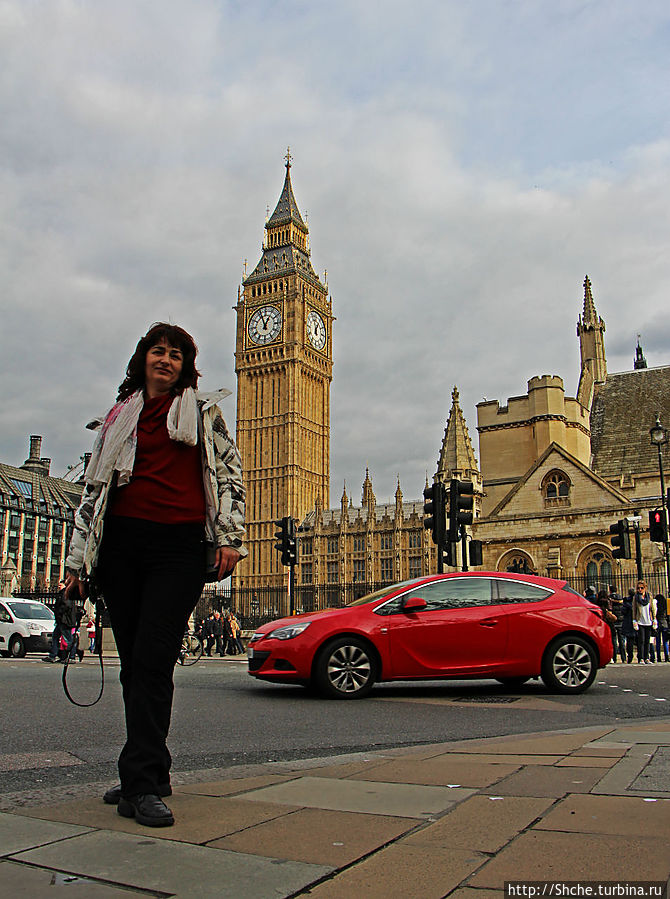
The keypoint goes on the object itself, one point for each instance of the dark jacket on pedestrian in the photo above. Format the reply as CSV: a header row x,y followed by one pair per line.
x,y
65,612
617,609
627,628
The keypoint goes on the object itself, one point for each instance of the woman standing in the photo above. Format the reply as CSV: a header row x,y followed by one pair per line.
x,y
164,483
644,616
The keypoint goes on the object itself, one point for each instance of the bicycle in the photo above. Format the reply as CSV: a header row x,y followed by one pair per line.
x,y
191,649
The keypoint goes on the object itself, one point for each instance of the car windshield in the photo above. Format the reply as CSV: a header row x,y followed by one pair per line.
x,y
27,610
380,594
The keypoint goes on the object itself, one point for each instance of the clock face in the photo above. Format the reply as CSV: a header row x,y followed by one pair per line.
x,y
316,330
264,325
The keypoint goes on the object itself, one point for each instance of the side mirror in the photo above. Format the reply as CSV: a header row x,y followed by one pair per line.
x,y
414,604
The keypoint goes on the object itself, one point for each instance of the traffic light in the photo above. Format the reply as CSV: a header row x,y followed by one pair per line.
x,y
658,526
475,552
621,539
282,538
461,501
287,540
292,544
434,512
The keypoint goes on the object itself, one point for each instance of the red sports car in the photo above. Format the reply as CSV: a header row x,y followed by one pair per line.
x,y
510,627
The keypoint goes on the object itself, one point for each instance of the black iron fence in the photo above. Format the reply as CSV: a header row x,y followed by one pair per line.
x,y
255,606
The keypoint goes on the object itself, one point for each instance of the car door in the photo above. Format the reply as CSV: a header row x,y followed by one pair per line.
x,y
456,633
5,627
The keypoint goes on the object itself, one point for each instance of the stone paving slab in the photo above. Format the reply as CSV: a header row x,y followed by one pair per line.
x,y
485,756
233,786
628,735
198,819
18,833
441,771
544,780
401,800
537,744
480,823
546,855
26,882
401,872
178,869
585,761
610,815
319,836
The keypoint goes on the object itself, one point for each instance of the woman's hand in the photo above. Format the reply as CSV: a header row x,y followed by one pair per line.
x,y
226,559
73,586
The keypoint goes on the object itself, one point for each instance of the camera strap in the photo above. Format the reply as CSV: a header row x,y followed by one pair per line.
x,y
99,608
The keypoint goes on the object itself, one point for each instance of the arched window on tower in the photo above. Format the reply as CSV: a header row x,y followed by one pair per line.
x,y
556,489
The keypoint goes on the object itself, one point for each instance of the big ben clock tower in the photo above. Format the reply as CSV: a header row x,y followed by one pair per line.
x,y
284,369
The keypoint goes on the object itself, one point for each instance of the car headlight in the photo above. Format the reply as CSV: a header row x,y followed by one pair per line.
x,y
288,631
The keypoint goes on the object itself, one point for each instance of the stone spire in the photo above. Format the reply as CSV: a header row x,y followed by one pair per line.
x,y
591,330
457,458
369,499
286,243
344,502
286,211
398,500
639,361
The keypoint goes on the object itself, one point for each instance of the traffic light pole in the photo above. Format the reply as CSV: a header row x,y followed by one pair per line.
x,y
464,549
638,546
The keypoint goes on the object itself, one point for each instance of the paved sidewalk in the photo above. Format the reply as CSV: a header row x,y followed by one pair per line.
x,y
452,819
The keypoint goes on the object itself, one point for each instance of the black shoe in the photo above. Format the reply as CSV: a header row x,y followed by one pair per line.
x,y
112,796
80,653
147,809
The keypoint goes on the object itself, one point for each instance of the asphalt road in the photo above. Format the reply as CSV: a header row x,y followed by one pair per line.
x,y
223,718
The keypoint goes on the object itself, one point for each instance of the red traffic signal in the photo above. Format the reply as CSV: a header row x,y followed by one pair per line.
x,y
658,526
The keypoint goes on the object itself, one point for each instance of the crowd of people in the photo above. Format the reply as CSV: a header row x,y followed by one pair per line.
x,y
221,633
638,621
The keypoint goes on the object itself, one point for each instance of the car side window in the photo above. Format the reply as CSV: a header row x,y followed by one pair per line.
x,y
509,591
457,593
4,614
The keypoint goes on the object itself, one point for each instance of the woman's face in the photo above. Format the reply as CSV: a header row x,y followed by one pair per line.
x,y
162,368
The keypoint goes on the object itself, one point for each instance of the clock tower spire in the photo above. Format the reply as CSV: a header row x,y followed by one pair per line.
x,y
284,369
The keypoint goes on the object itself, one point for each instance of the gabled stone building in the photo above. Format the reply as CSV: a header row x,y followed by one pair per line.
x,y
558,471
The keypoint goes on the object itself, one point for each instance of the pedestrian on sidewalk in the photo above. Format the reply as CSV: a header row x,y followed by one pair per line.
x,y
62,638
644,615
618,641
163,480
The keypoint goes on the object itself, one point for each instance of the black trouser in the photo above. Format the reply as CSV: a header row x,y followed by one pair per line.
x,y
151,576
618,643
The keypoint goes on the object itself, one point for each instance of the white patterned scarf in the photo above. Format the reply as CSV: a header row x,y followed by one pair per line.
x,y
115,447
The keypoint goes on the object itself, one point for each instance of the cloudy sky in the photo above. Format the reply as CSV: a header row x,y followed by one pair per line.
x,y
463,165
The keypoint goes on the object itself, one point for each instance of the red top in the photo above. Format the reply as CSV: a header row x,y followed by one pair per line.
x,y
166,484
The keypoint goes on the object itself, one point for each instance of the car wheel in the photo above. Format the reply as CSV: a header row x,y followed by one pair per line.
x,y
512,682
345,669
17,648
569,665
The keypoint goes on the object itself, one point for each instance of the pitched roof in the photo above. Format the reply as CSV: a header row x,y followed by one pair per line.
x,y
624,409
556,450
286,210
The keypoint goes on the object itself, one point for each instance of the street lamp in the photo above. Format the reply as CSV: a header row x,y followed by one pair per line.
x,y
659,438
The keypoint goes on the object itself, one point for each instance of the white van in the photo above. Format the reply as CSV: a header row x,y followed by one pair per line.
x,y
26,625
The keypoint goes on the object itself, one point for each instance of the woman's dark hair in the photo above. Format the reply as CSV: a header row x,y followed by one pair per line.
x,y
157,333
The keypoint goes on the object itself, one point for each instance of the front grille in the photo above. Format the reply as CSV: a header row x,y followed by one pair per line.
x,y
258,659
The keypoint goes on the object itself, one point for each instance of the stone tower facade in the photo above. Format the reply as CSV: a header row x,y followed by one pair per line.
x,y
284,367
